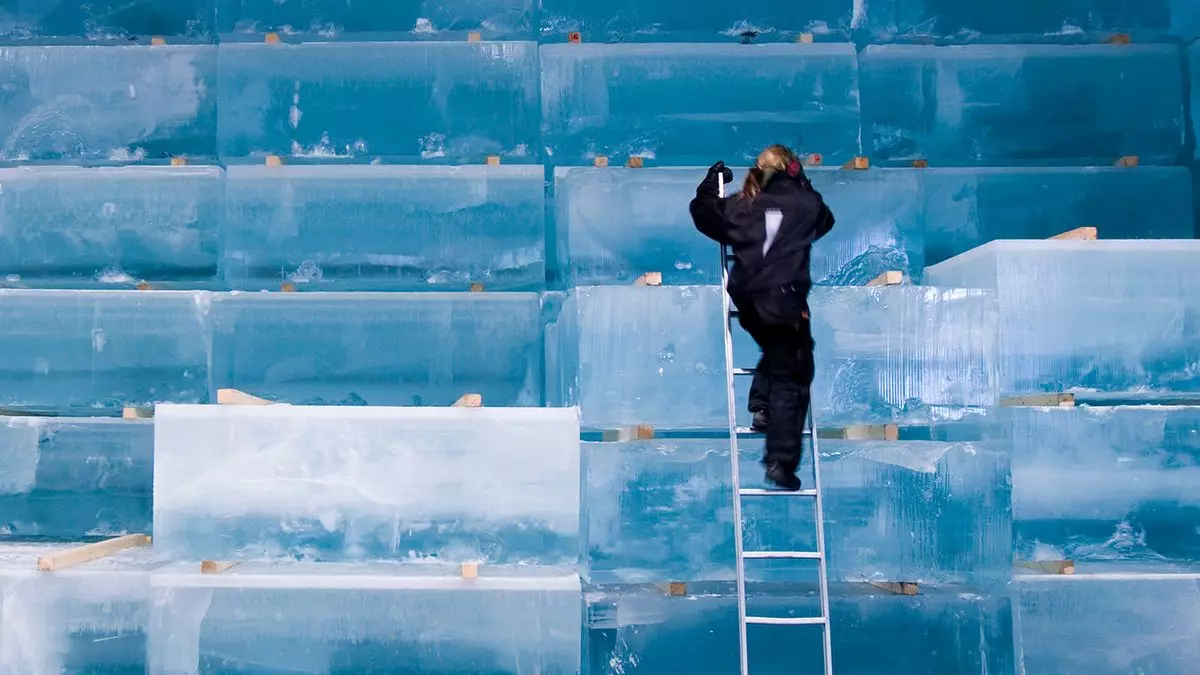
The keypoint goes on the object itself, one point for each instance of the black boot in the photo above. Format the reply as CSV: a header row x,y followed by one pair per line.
x,y
760,421
783,476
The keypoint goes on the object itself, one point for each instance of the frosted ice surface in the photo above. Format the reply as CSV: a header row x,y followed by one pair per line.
x,y
109,227
73,477
495,19
968,207
108,103
380,348
328,483
911,510
1019,21
692,104
98,351
372,228
701,21
321,618
1007,104
1109,624
1185,21
445,101
614,225
1194,63
1106,484
105,20
1108,315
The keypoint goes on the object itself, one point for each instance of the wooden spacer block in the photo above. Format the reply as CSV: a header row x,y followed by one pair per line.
x,y
469,401
271,38
675,589
274,160
920,164
287,287
88,552
574,37
640,432
857,164
889,278
235,397
216,566
649,279
1118,39
862,432
493,160
635,163
897,587
1127,162
1079,234
476,287
813,159
1066,567
143,286
474,36
805,38
469,570
132,413
600,161
178,161
157,41
1054,400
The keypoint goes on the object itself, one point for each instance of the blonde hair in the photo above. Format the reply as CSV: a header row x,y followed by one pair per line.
x,y
774,159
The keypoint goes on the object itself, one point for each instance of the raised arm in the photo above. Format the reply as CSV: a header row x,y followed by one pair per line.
x,y
708,208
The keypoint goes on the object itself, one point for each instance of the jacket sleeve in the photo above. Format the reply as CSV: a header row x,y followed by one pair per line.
x,y
708,213
825,220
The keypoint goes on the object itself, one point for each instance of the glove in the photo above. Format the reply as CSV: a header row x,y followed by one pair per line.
x,y
709,184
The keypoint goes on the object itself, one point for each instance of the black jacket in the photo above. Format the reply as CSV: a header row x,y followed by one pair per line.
x,y
778,283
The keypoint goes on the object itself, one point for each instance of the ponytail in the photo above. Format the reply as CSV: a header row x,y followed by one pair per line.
x,y
775,159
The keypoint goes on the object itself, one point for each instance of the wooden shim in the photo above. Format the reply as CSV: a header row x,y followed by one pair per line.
x,y
1118,39
474,36
600,161
897,587
574,37
640,432
144,286
1058,399
1066,567
469,570
635,163
920,164
287,287
469,401
889,278
273,160
134,413
493,160
862,432
813,159
157,41
216,566
649,279
476,287
1128,162
236,397
675,589
179,161
857,164
271,38
805,38
88,552
1079,234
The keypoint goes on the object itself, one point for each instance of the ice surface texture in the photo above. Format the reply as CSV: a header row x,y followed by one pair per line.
x,y
70,478
105,20
108,103
445,101
692,103
374,228
324,483
702,21
416,19
1106,484
109,227
1001,105
1109,624
312,618
380,348
98,351
1107,315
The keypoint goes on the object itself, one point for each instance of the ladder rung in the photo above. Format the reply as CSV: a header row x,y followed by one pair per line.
x,y
747,431
771,555
787,620
754,492
743,371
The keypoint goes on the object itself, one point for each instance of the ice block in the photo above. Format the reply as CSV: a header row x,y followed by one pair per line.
x,y
1105,485
438,101
616,224
1022,104
347,483
916,511
1185,19
95,352
692,104
380,348
329,618
108,103
70,227
1107,315
1194,64
376,228
106,20
968,207
944,630
706,21
1108,624
75,477
411,19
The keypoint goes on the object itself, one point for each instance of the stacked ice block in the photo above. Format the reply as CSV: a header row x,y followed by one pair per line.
x,y
107,21
703,21
376,19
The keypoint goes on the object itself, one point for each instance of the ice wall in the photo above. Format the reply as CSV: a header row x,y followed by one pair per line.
x,y
404,19
1023,20
106,20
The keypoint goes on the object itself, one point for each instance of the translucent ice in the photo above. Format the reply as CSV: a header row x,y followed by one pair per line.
x,y
446,101
1106,484
997,105
385,227
329,618
495,19
379,348
704,21
74,477
1108,315
329,483
1109,624
692,104
105,20
105,227
108,103
97,351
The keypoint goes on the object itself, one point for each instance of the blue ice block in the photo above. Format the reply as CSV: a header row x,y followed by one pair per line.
x,y
895,511
706,21
616,224
414,19
75,477
1022,104
1194,70
109,227
336,618
444,101
380,348
329,483
95,352
1105,485
108,103
968,207
374,228
106,20
1185,20
1107,315
944,630
693,104
1108,624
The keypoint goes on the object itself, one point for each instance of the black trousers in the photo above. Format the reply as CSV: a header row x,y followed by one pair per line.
x,y
782,385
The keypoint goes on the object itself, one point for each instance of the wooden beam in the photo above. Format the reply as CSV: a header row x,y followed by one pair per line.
x,y
920,164
274,160
1078,234
1048,566
235,397
1055,400
216,566
469,401
469,570
640,432
805,38
1128,162
600,161
493,160
675,589
132,413
649,279
88,552
476,287
897,587
890,278
1118,39
857,164
635,163
862,432
474,36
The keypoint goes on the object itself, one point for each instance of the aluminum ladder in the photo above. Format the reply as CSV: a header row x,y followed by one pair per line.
x,y
738,493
